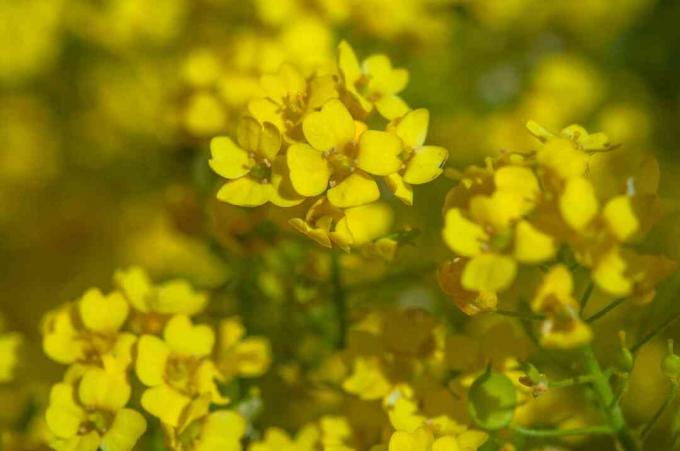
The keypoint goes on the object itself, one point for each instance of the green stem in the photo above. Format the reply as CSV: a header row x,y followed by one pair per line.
x,y
654,332
662,408
593,430
522,315
600,313
586,296
576,380
339,297
606,397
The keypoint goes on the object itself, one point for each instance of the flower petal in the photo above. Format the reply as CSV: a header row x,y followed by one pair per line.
x,y
103,313
357,189
463,236
425,165
309,170
165,403
152,357
412,128
245,192
379,152
127,427
187,339
227,159
489,273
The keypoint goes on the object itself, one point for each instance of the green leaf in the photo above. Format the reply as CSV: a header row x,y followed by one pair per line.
x,y
492,400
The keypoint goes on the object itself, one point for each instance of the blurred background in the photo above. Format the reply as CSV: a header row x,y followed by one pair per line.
x,y
107,108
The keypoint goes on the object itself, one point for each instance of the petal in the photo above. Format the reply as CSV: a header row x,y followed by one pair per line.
x,y
578,203
463,236
412,128
562,158
383,78
332,127
165,403
152,358
420,440
227,159
103,313
222,430
136,287
367,380
263,139
620,217
391,107
369,222
283,194
489,273
317,234
401,190
532,245
309,170
357,189
178,296
518,180
264,110
187,339
105,390
287,82
63,415
610,274
127,427
379,153
348,63
425,165
245,192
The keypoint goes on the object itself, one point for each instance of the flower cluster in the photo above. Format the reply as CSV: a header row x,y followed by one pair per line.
x,y
541,207
145,330
308,139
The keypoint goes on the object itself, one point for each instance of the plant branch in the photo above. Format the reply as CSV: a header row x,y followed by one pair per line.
x,y
522,315
600,313
586,297
662,408
592,430
339,297
654,332
576,380
606,397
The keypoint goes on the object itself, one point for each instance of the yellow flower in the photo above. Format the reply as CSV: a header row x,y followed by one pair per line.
x,y
238,355
562,327
418,163
351,227
288,98
177,369
87,329
367,380
218,430
373,83
153,304
330,157
91,414
423,439
256,172
9,344
276,439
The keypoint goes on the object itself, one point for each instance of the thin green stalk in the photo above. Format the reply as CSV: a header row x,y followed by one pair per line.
x,y
545,433
586,297
662,408
600,313
606,397
576,380
339,297
522,315
654,332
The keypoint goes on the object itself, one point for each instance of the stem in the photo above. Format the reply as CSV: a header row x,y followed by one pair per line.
x,y
583,379
338,297
654,332
606,397
662,408
586,297
522,315
605,310
593,430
